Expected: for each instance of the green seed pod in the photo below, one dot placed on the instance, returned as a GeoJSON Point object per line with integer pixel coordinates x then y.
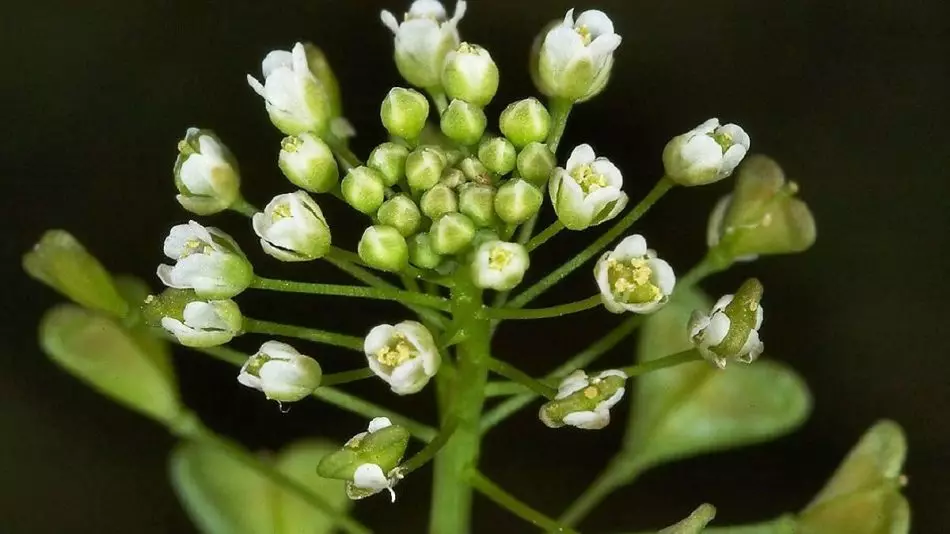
{"type": "Point", "coordinates": [478, 202]}
{"type": "Point", "coordinates": [364, 189]}
{"type": "Point", "coordinates": [438, 201]}
{"type": "Point", "coordinates": [384, 248]}
{"type": "Point", "coordinates": [451, 233]}
{"type": "Point", "coordinates": [525, 121]}
{"type": "Point", "coordinates": [401, 213]}
{"type": "Point", "coordinates": [463, 122]}
{"type": "Point", "coordinates": [404, 112]}
{"type": "Point", "coordinates": [390, 160]}
{"type": "Point", "coordinates": [517, 201]}
{"type": "Point", "coordinates": [536, 162]}
{"type": "Point", "coordinates": [498, 155]}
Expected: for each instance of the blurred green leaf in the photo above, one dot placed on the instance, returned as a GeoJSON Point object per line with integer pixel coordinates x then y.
{"type": "Point", "coordinates": [782, 525]}
{"type": "Point", "coordinates": [134, 291]}
{"type": "Point", "coordinates": [223, 496]}
{"type": "Point", "coordinates": [695, 523]}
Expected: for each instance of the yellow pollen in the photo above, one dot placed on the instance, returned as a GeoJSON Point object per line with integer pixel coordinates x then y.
{"type": "Point", "coordinates": [291, 144]}
{"type": "Point", "coordinates": [584, 32]}
{"type": "Point", "coordinates": [753, 306]}
{"type": "Point", "coordinates": [589, 180]}
{"type": "Point", "coordinates": [590, 392]}
{"type": "Point", "coordinates": [396, 353]}
{"type": "Point", "coordinates": [630, 279]}
{"type": "Point", "coordinates": [281, 211]}
{"type": "Point", "coordinates": [498, 258]}
{"type": "Point", "coordinates": [196, 246]}
{"type": "Point", "coordinates": [723, 139]}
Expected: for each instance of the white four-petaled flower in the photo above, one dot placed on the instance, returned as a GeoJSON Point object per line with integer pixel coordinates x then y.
{"type": "Point", "coordinates": [631, 278]}
{"type": "Point", "coordinates": [705, 154]}
{"type": "Point", "coordinates": [404, 355]}
{"type": "Point", "coordinates": [292, 228]}
{"type": "Point", "coordinates": [576, 56]}
{"type": "Point", "coordinates": [207, 260]}
{"type": "Point", "coordinates": [588, 191]}
{"type": "Point", "coordinates": [206, 323]}
{"type": "Point", "coordinates": [707, 330]}
{"type": "Point", "coordinates": [590, 388]}
{"type": "Point", "coordinates": [423, 40]}
{"type": "Point", "coordinates": [499, 265]}
{"type": "Point", "coordinates": [295, 98]}
{"type": "Point", "coordinates": [205, 174]}
{"type": "Point", "coordinates": [281, 372]}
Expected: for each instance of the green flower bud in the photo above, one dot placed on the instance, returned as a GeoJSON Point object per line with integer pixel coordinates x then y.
{"type": "Point", "coordinates": [453, 178]}
{"type": "Point", "coordinates": [206, 173]}
{"type": "Point", "coordinates": [424, 167]}
{"type": "Point", "coordinates": [478, 202]}
{"type": "Point", "coordinates": [451, 233]}
{"type": "Point", "coordinates": [517, 201]}
{"type": "Point", "coordinates": [384, 248]}
{"type": "Point", "coordinates": [404, 112]}
{"type": "Point", "coordinates": [475, 171]}
{"type": "Point", "coordinates": [525, 121]}
{"type": "Point", "coordinates": [470, 74]}
{"type": "Point", "coordinates": [438, 201]}
{"type": "Point", "coordinates": [536, 162]}
{"type": "Point", "coordinates": [364, 189]}
{"type": "Point", "coordinates": [498, 155]}
{"type": "Point", "coordinates": [421, 252]}
{"type": "Point", "coordinates": [113, 361]}
{"type": "Point", "coordinates": [308, 163]}
{"type": "Point", "coordinates": [195, 322]}
{"type": "Point", "coordinates": [390, 160]}
{"type": "Point", "coordinates": [482, 236]}
{"type": "Point", "coordinates": [367, 459]}
{"type": "Point", "coordinates": [62, 263]}
{"type": "Point", "coordinates": [463, 122]}
{"type": "Point", "coordinates": [584, 402]}
{"type": "Point", "coordinates": [401, 213]}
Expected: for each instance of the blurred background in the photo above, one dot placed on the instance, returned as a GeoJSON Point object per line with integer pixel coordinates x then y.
{"type": "Point", "coordinates": [850, 97]}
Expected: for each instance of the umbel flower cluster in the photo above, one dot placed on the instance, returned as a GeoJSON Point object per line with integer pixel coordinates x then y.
{"type": "Point", "coordinates": [450, 203]}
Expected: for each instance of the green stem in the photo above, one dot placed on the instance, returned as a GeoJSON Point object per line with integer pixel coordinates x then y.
{"type": "Point", "coordinates": [311, 288]}
{"type": "Point", "coordinates": [544, 236]}
{"type": "Point", "coordinates": [713, 262]}
{"type": "Point", "coordinates": [612, 477]}
{"type": "Point", "coordinates": [544, 313]}
{"type": "Point", "coordinates": [504, 389]}
{"type": "Point", "coordinates": [506, 500]}
{"type": "Point", "coordinates": [560, 109]}
{"type": "Point", "coordinates": [427, 454]}
{"type": "Point", "coordinates": [687, 356]}
{"type": "Point", "coordinates": [348, 160]}
{"type": "Point", "coordinates": [335, 379]}
{"type": "Point", "coordinates": [256, 326]}
{"type": "Point", "coordinates": [439, 99]}
{"type": "Point", "coordinates": [243, 207]}
{"type": "Point", "coordinates": [619, 228]}
{"type": "Point", "coordinates": [514, 374]}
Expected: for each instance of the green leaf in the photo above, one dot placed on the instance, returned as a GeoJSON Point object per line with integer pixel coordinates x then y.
{"type": "Point", "coordinates": [223, 496]}
{"type": "Point", "coordinates": [135, 291]}
{"type": "Point", "coordinates": [696, 408]}
{"type": "Point", "coordinates": [782, 525]}
{"type": "Point", "coordinates": [695, 523]}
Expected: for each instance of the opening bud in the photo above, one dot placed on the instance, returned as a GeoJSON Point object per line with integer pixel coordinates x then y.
{"type": "Point", "coordinates": [536, 162]}
{"type": "Point", "coordinates": [424, 167]}
{"type": "Point", "coordinates": [390, 160]}
{"type": "Point", "coordinates": [206, 260]}
{"type": "Point", "coordinates": [308, 163]}
{"type": "Point", "coordinates": [404, 112]}
{"type": "Point", "coordinates": [498, 155]}
{"type": "Point", "coordinates": [588, 191]}
{"type": "Point", "coordinates": [364, 189]}
{"type": "Point", "coordinates": [292, 228]}
{"type": "Point", "coordinates": [423, 39]}
{"type": "Point", "coordinates": [463, 122]}
{"type": "Point", "coordinates": [295, 98]}
{"type": "Point", "coordinates": [478, 202]}
{"type": "Point", "coordinates": [584, 402]}
{"type": "Point", "coordinates": [206, 173]}
{"type": "Point", "coordinates": [517, 201]}
{"type": "Point", "coordinates": [499, 265]}
{"type": "Point", "coordinates": [470, 74]}
{"type": "Point", "coordinates": [401, 213]}
{"type": "Point", "coordinates": [451, 233]}
{"type": "Point", "coordinates": [730, 331]}
{"type": "Point", "coordinates": [573, 58]}
{"type": "Point", "coordinates": [525, 121]}
{"type": "Point", "coordinates": [281, 372]}
{"type": "Point", "coordinates": [438, 201]}
{"type": "Point", "coordinates": [384, 248]}
{"type": "Point", "coordinates": [705, 154]}
{"type": "Point", "coordinates": [404, 355]}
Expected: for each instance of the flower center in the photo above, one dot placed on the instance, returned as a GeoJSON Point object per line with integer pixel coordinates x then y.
{"type": "Point", "coordinates": [585, 34]}
{"type": "Point", "coordinates": [723, 139]}
{"type": "Point", "coordinates": [291, 144]}
{"type": "Point", "coordinates": [588, 179]}
{"type": "Point", "coordinates": [630, 280]}
{"type": "Point", "coordinates": [281, 211]}
{"type": "Point", "coordinates": [498, 258]}
{"type": "Point", "coordinates": [397, 352]}
{"type": "Point", "coordinates": [196, 246]}
{"type": "Point", "coordinates": [466, 48]}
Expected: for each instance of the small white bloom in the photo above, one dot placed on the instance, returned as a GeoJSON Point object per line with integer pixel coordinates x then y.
{"type": "Point", "coordinates": [587, 192]}
{"type": "Point", "coordinates": [576, 56]}
{"type": "Point", "coordinates": [369, 478]}
{"type": "Point", "coordinates": [631, 278]}
{"type": "Point", "coordinates": [295, 98]}
{"type": "Point", "coordinates": [705, 154]}
{"type": "Point", "coordinates": [584, 402]}
{"type": "Point", "coordinates": [499, 265]}
{"type": "Point", "coordinates": [205, 174]}
{"type": "Point", "coordinates": [708, 330]}
{"type": "Point", "coordinates": [404, 355]}
{"type": "Point", "coordinates": [292, 228]}
{"type": "Point", "coordinates": [206, 324]}
{"type": "Point", "coordinates": [281, 372]}
{"type": "Point", "coordinates": [207, 260]}
{"type": "Point", "coordinates": [423, 40]}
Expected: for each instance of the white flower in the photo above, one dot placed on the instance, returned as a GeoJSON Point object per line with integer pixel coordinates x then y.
{"type": "Point", "coordinates": [404, 355]}
{"type": "Point", "coordinates": [423, 40]}
{"type": "Point", "coordinates": [499, 265]}
{"type": "Point", "coordinates": [205, 173]}
{"type": "Point", "coordinates": [293, 228]}
{"type": "Point", "coordinates": [295, 98]}
{"type": "Point", "coordinates": [207, 260]}
{"type": "Point", "coordinates": [282, 373]}
{"type": "Point", "coordinates": [705, 154]}
{"type": "Point", "coordinates": [631, 278]}
{"type": "Point", "coordinates": [584, 402]}
{"type": "Point", "coordinates": [206, 324]}
{"type": "Point", "coordinates": [708, 331]}
{"type": "Point", "coordinates": [576, 57]}
{"type": "Point", "coordinates": [587, 192]}
{"type": "Point", "coordinates": [369, 478]}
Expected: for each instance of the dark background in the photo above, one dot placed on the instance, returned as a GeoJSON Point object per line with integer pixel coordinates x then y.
{"type": "Point", "coordinates": [850, 96]}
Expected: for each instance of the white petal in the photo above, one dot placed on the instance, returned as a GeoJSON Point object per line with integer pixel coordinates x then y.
{"type": "Point", "coordinates": [634, 246]}
{"type": "Point", "coordinates": [389, 20]}
{"type": "Point", "coordinates": [609, 403]}
{"type": "Point", "coordinates": [759, 316]}
{"type": "Point", "coordinates": [427, 9]}
{"type": "Point", "coordinates": [572, 383]}
{"type": "Point", "coordinates": [723, 301]}
{"type": "Point", "coordinates": [717, 330]}
{"type": "Point", "coordinates": [561, 46]}
{"type": "Point", "coordinates": [588, 420]}
{"type": "Point", "coordinates": [714, 228]}
{"type": "Point", "coordinates": [698, 321]}
{"type": "Point", "coordinates": [581, 155]}
{"type": "Point", "coordinates": [275, 60]}
{"type": "Point", "coordinates": [249, 380]}
{"type": "Point", "coordinates": [379, 423]}
{"type": "Point", "coordinates": [257, 86]}
{"type": "Point", "coordinates": [203, 315]}
{"type": "Point", "coordinates": [663, 276]}
{"type": "Point", "coordinates": [370, 476]}
{"type": "Point", "coordinates": [408, 377]}
{"type": "Point", "coordinates": [611, 372]}
{"type": "Point", "coordinates": [279, 351]}
{"type": "Point", "coordinates": [596, 21]}
{"type": "Point", "coordinates": [377, 339]}
{"type": "Point", "coordinates": [707, 127]}
{"type": "Point", "coordinates": [608, 170]}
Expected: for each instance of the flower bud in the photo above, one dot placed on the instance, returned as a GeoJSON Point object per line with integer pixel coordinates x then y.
{"type": "Point", "coordinates": [368, 461]}
{"type": "Point", "coordinates": [476, 172]}
{"type": "Point", "coordinates": [423, 40]}
{"type": "Point", "coordinates": [384, 248]}
{"type": "Point", "coordinates": [525, 121]}
{"type": "Point", "coordinates": [62, 263]}
{"type": "Point", "coordinates": [308, 163]}
{"type": "Point", "coordinates": [731, 330]}
{"type": "Point", "coordinates": [424, 167]}
{"type": "Point", "coordinates": [438, 201]}
{"type": "Point", "coordinates": [536, 162]}
{"type": "Point", "coordinates": [207, 260]}
{"type": "Point", "coordinates": [470, 74]}
{"type": "Point", "coordinates": [498, 155]}
{"type": "Point", "coordinates": [451, 233]}
{"type": "Point", "coordinates": [401, 213]}
{"type": "Point", "coordinates": [194, 322]}
{"type": "Point", "coordinates": [452, 178]}
{"type": "Point", "coordinates": [574, 58]}
{"type": "Point", "coordinates": [404, 112]}
{"type": "Point", "coordinates": [587, 192]}
{"type": "Point", "coordinates": [206, 174]}
{"type": "Point", "coordinates": [364, 189]}
{"type": "Point", "coordinates": [296, 100]}
{"type": "Point", "coordinates": [292, 228]}
{"type": "Point", "coordinates": [478, 202]}
{"type": "Point", "coordinates": [463, 122]}
{"type": "Point", "coordinates": [705, 154]}
{"type": "Point", "coordinates": [320, 67]}
{"type": "Point", "coordinates": [281, 372]}
{"type": "Point", "coordinates": [517, 201]}
{"type": "Point", "coordinates": [482, 236]}
{"type": "Point", "coordinates": [499, 265]}
{"type": "Point", "coordinates": [584, 402]}
{"type": "Point", "coordinates": [631, 278]}
{"type": "Point", "coordinates": [390, 160]}
{"type": "Point", "coordinates": [404, 355]}
{"type": "Point", "coordinates": [421, 252]}
{"type": "Point", "coordinates": [762, 216]}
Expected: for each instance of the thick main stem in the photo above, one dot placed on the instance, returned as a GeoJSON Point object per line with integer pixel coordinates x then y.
{"type": "Point", "coordinates": [465, 395]}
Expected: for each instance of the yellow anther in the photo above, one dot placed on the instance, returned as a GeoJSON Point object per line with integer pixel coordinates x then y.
{"type": "Point", "coordinates": [281, 211]}
{"type": "Point", "coordinates": [588, 179]}
{"type": "Point", "coordinates": [723, 139]}
{"type": "Point", "coordinates": [498, 258]}
{"type": "Point", "coordinates": [291, 144]}
{"type": "Point", "coordinates": [197, 246]}
{"type": "Point", "coordinates": [584, 32]}
{"type": "Point", "coordinates": [396, 353]}
{"type": "Point", "coordinates": [591, 392]}
{"type": "Point", "coordinates": [631, 279]}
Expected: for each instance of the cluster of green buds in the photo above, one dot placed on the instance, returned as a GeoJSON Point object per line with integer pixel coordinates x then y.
{"type": "Point", "coordinates": [368, 461]}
